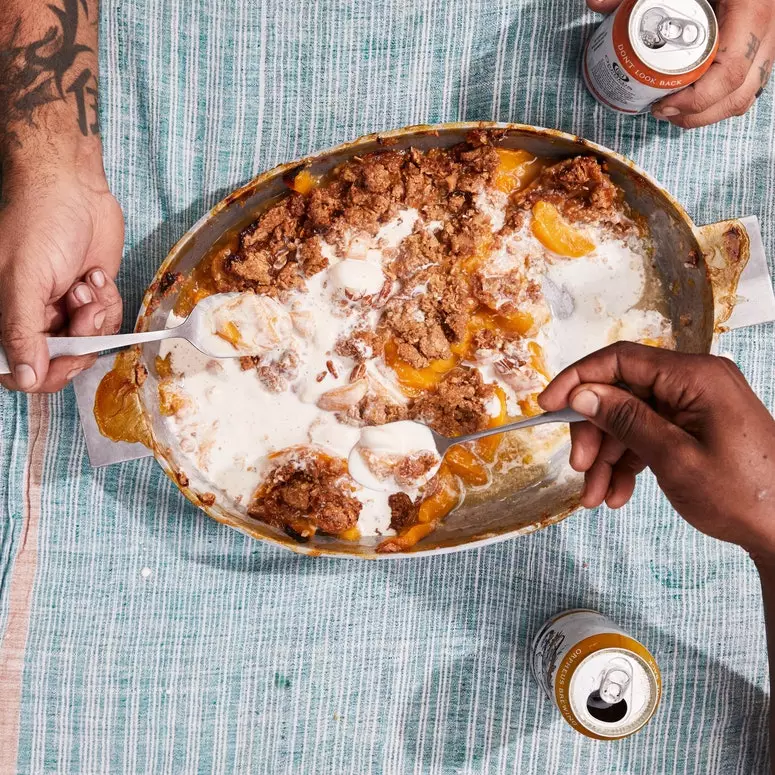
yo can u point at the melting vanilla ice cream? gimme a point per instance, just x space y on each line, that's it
356 277
598 290
245 324
395 457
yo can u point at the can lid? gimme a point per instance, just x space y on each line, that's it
673 36
613 692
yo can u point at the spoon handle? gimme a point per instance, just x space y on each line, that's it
84 345
563 415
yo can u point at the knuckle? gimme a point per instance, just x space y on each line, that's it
698 105
723 365
739 104
688 122
15 335
629 351
623 418
726 372
736 73
113 319
696 101
115 307
624 349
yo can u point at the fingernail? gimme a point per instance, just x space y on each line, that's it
586 402
73 373
25 376
82 293
99 319
666 112
98 278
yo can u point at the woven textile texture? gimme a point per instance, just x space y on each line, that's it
235 657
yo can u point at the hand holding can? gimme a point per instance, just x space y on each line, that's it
739 72
646 51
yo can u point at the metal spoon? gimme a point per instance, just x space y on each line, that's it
361 471
443 443
191 329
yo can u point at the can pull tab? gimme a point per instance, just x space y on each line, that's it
616 678
660 26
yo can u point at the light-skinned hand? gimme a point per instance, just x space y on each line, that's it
61 236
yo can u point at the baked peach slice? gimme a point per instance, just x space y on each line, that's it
481 252
484 319
230 332
446 496
487 448
465 464
432 510
163 365
351 534
517 169
170 401
198 285
407 538
529 406
414 380
556 234
518 322
537 360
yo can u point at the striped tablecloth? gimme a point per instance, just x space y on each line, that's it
140 637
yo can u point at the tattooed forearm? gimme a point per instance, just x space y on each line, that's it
52 69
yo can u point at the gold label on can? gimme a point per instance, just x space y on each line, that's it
605 683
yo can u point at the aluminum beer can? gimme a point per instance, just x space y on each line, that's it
648 49
605 683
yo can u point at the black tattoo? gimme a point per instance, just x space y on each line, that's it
764 71
80 88
753 46
47 70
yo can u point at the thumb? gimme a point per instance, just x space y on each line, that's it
630 421
23 300
604 6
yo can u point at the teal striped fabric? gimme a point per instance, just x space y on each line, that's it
161 642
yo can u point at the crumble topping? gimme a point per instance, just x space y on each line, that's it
306 494
579 188
403 511
459 405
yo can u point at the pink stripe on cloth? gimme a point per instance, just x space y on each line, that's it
22 580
